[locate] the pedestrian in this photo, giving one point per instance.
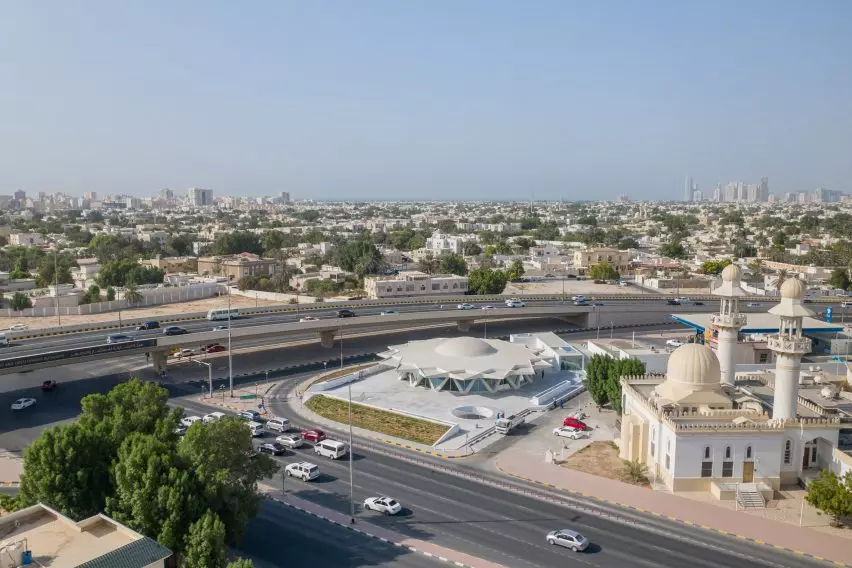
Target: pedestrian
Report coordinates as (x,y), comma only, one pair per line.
(562,404)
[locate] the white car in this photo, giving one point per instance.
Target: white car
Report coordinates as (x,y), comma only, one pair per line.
(188,421)
(389,312)
(23,403)
(515,304)
(220,328)
(184,353)
(568,432)
(674,342)
(19,327)
(487,307)
(308,318)
(466,307)
(303,470)
(291,441)
(846,305)
(213,417)
(386,505)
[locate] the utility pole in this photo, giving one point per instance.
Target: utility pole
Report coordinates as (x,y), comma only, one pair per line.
(56,283)
(230,359)
(351,473)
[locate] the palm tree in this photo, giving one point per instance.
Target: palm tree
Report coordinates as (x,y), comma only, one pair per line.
(635,472)
(782,276)
(132,294)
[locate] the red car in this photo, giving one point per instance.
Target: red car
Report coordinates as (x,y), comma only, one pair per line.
(316,435)
(571,422)
(214,348)
(48,385)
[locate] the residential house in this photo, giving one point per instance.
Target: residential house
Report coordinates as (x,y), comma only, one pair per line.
(413,283)
(238,266)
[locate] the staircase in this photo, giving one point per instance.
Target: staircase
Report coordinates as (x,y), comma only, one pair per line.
(748,497)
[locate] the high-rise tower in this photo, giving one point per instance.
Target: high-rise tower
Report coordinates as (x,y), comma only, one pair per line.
(789,346)
(687,188)
(729,320)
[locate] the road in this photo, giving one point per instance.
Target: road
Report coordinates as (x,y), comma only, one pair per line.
(612,310)
(508,528)
(282,537)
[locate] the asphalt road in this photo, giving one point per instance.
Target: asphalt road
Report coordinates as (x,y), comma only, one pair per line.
(614,310)
(282,537)
(508,528)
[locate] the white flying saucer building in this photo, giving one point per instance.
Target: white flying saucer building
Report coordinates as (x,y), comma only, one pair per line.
(471,365)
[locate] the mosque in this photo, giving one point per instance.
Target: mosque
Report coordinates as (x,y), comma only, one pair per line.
(701,428)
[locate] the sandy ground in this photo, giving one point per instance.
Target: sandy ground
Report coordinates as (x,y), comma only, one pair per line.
(598,458)
(147,312)
(572,287)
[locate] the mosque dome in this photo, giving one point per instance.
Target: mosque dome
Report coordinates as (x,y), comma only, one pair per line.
(465,347)
(692,367)
(793,289)
(732,273)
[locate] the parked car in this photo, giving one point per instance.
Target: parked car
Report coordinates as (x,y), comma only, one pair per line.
(273,448)
(571,422)
(674,342)
(303,470)
(213,417)
(119,338)
(389,312)
(308,318)
(569,539)
(48,385)
(345,314)
(386,505)
(567,432)
(188,421)
(291,441)
(23,403)
(174,330)
(315,435)
(466,306)
(215,348)
(148,325)
(180,430)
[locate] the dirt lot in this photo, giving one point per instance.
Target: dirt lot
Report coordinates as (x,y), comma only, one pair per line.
(598,458)
(152,312)
(381,421)
(572,287)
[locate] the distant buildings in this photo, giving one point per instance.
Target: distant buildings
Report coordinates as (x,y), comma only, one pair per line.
(199,197)
(413,283)
(237,266)
(585,259)
(689,189)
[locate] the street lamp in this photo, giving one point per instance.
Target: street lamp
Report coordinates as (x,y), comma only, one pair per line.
(56,283)
(351,476)
(209,366)
(610,330)
(230,358)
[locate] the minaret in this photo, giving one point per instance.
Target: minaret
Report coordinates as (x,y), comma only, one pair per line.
(729,320)
(789,346)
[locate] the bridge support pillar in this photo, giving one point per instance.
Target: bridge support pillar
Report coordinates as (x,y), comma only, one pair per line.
(159,361)
(463,325)
(327,339)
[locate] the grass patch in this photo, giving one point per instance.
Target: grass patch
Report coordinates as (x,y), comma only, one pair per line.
(343,372)
(375,420)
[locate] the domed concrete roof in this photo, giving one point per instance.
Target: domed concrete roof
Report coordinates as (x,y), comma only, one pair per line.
(732,273)
(793,289)
(465,347)
(692,367)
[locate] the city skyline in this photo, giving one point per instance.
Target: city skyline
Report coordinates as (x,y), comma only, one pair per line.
(344,102)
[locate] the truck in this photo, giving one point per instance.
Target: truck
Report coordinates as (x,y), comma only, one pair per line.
(506,424)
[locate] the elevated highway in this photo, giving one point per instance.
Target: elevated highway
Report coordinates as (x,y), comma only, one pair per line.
(158,347)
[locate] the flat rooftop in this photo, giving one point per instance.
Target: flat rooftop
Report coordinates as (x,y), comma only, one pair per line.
(761,322)
(58,542)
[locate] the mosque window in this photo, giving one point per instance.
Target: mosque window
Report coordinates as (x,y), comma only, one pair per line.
(788,452)
(728,453)
(707,469)
(707,453)
(728,469)
(748,452)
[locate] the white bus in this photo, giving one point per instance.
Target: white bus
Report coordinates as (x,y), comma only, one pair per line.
(223,314)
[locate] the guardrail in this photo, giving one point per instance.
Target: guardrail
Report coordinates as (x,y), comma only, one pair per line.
(296,308)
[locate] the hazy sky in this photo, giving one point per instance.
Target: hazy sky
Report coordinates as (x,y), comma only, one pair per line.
(424,99)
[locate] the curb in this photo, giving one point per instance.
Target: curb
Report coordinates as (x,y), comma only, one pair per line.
(365,533)
(675,519)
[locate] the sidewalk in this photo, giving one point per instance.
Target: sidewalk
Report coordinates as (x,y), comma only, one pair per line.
(414,545)
(801,541)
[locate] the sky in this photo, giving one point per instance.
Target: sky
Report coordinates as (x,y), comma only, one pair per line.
(437,99)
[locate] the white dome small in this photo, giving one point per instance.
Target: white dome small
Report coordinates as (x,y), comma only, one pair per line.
(732,273)
(693,366)
(793,289)
(465,347)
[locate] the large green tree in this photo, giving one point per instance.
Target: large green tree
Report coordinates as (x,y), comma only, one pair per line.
(617,369)
(155,493)
(839,279)
(603,271)
(361,257)
(515,270)
(205,544)
(452,264)
(486,281)
(237,242)
(20,301)
(597,375)
(831,494)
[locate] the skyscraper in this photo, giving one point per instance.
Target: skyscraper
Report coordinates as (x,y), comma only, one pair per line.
(199,197)
(687,189)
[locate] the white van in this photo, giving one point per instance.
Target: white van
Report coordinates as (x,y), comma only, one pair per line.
(330,449)
(223,314)
(256,429)
(278,424)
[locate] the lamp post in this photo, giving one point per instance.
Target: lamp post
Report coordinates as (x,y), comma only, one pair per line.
(230,358)
(351,475)
(610,330)
(56,284)
(209,366)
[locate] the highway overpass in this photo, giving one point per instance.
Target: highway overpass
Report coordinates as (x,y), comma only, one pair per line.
(158,347)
